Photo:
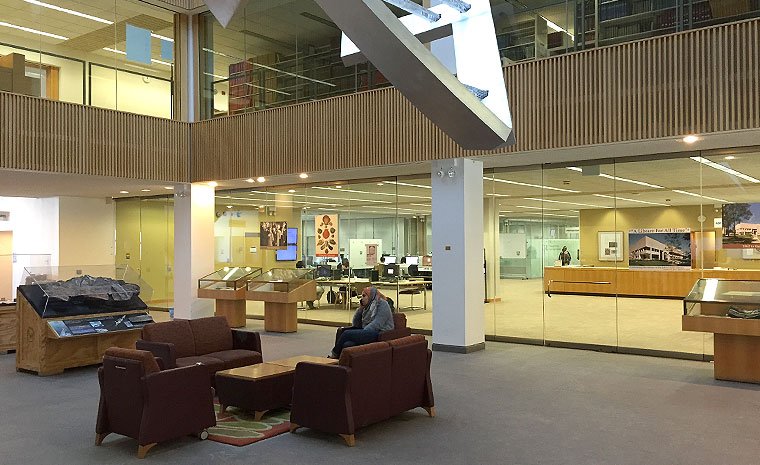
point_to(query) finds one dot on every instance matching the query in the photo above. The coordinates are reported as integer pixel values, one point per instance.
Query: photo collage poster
(274, 235)
(660, 248)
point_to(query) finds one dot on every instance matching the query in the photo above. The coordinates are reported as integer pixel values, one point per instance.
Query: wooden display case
(281, 289)
(737, 340)
(8, 328)
(227, 287)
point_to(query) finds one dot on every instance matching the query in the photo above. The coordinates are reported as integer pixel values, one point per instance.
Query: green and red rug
(238, 428)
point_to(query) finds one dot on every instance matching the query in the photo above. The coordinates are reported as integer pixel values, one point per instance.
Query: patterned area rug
(238, 428)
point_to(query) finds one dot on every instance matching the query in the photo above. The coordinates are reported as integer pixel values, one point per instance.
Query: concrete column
(193, 248)
(458, 315)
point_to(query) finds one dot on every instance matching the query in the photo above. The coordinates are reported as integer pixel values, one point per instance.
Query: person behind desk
(565, 256)
(371, 318)
(345, 272)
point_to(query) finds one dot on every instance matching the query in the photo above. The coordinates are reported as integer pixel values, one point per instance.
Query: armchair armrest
(248, 340)
(178, 400)
(161, 350)
(321, 398)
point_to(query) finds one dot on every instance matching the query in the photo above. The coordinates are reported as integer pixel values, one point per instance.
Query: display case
(731, 310)
(227, 287)
(280, 289)
(69, 315)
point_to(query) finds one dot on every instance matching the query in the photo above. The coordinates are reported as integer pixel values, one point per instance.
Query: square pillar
(458, 286)
(193, 248)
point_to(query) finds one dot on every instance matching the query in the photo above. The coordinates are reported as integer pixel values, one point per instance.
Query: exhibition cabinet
(227, 287)
(281, 289)
(731, 310)
(68, 316)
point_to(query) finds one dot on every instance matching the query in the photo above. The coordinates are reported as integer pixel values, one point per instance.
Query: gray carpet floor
(509, 404)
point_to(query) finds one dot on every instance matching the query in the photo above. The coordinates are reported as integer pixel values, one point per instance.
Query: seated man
(371, 318)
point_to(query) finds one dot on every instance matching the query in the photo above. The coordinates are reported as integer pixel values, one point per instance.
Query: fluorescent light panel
(630, 200)
(700, 196)
(114, 50)
(33, 31)
(618, 178)
(725, 169)
(566, 203)
(530, 185)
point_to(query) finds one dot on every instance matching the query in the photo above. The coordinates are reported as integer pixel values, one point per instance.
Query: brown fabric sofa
(399, 329)
(371, 383)
(143, 402)
(208, 341)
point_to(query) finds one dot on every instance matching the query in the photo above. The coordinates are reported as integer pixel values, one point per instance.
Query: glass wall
(278, 53)
(145, 242)
(109, 54)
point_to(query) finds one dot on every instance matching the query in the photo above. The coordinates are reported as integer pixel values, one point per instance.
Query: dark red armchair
(399, 329)
(143, 402)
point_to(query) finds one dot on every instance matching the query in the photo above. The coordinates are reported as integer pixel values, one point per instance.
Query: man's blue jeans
(354, 337)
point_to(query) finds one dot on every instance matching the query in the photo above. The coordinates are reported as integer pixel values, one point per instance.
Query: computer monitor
(412, 260)
(324, 271)
(389, 259)
(390, 271)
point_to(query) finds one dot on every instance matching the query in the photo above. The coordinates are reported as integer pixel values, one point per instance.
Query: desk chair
(413, 271)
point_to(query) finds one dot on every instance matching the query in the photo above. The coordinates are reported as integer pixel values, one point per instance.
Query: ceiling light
(169, 188)
(531, 185)
(153, 60)
(270, 68)
(690, 139)
(537, 208)
(291, 190)
(618, 178)
(379, 184)
(33, 31)
(630, 200)
(71, 12)
(249, 180)
(144, 190)
(229, 206)
(699, 195)
(123, 192)
(398, 183)
(339, 187)
(303, 175)
(725, 169)
(261, 179)
(213, 183)
(551, 25)
(730, 157)
(567, 203)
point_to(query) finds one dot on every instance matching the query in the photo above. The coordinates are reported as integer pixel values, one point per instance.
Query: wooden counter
(636, 282)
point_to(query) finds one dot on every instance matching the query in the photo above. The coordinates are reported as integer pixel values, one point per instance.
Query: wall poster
(661, 248)
(741, 225)
(326, 228)
(610, 246)
(273, 234)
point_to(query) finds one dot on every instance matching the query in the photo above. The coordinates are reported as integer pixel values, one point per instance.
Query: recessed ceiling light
(169, 188)
(726, 169)
(690, 139)
(303, 175)
(261, 179)
(123, 192)
(339, 187)
(730, 157)
(71, 12)
(249, 180)
(213, 183)
(291, 190)
(144, 190)
(229, 206)
(379, 184)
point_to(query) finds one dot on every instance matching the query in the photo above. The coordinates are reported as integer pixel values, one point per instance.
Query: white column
(193, 248)
(490, 243)
(458, 315)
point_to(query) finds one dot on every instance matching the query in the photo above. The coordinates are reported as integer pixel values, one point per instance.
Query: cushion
(177, 332)
(214, 364)
(408, 340)
(236, 357)
(148, 360)
(347, 353)
(211, 334)
(399, 320)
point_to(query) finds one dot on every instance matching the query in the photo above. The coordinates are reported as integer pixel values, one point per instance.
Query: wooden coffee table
(261, 387)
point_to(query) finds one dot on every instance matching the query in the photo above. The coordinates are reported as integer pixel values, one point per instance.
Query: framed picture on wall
(610, 246)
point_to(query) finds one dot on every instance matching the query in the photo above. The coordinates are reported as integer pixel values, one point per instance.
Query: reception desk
(632, 282)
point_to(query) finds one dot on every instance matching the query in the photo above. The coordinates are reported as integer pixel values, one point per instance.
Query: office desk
(359, 284)
(351, 284)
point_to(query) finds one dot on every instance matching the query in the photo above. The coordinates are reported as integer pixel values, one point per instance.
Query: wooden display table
(7, 328)
(227, 287)
(43, 351)
(281, 290)
(632, 282)
(737, 340)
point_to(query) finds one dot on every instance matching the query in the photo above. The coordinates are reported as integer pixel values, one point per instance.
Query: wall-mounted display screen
(288, 254)
(292, 236)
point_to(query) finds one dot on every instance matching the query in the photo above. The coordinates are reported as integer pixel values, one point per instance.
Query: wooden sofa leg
(99, 438)
(143, 450)
(430, 411)
(294, 427)
(258, 415)
(350, 439)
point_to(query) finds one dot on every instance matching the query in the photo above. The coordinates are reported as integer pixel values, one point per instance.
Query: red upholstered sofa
(210, 341)
(399, 329)
(371, 383)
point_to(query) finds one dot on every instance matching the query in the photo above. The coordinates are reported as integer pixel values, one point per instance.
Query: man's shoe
(332, 355)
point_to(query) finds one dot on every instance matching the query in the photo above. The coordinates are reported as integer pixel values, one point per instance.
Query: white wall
(130, 92)
(86, 231)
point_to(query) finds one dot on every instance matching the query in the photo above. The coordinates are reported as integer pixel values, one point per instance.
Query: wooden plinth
(41, 351)
(233, 310)
(736, 358)
(280, 317)
(8, 328)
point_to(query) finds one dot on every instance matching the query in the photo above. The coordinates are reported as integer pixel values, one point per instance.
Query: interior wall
(623, 219)
(130, 92)
(86, 231)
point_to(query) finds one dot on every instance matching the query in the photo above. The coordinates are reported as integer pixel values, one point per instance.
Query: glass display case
(280, 289)
(723, 297)
(229, 279)
(64, 291)
(280, 280)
